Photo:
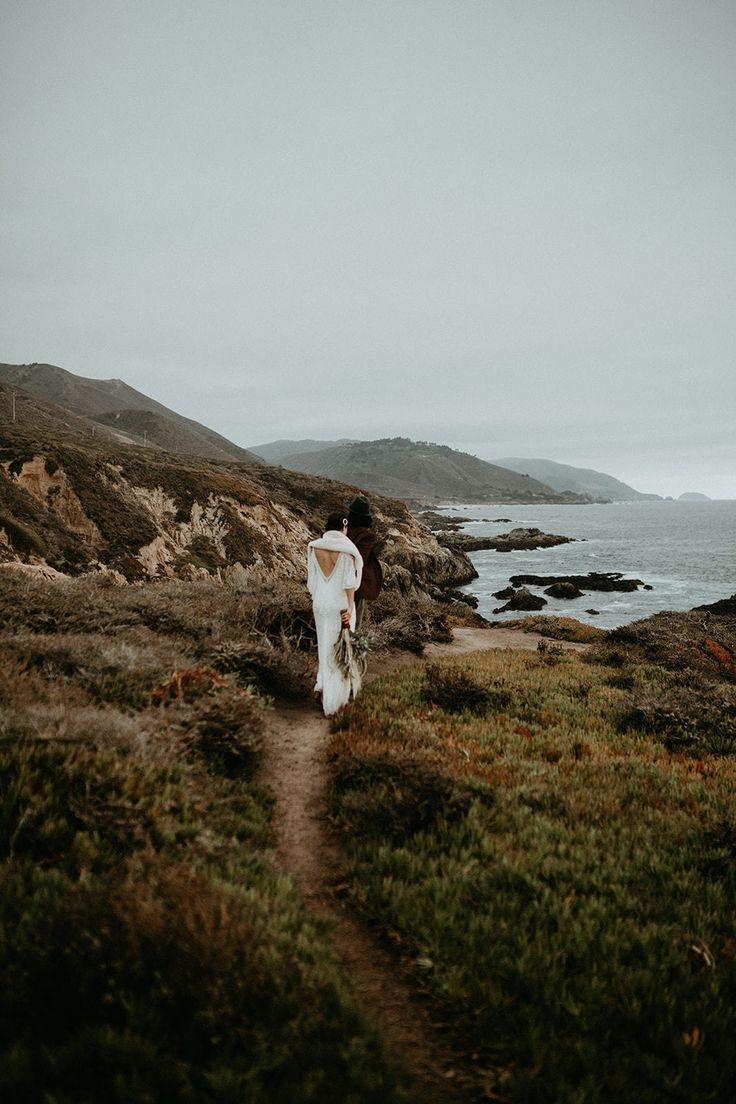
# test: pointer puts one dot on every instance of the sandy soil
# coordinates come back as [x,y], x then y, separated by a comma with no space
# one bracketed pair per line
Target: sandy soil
[296,772]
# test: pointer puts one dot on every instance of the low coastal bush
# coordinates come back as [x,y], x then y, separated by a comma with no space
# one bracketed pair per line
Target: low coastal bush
[556,628]
[679,670]
[406,623]
[566,887]
[454,689]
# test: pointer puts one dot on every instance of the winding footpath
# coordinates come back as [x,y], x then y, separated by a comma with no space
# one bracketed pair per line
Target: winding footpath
[295,770]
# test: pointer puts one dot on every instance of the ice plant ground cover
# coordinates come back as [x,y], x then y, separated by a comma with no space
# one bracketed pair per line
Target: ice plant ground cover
[561,878]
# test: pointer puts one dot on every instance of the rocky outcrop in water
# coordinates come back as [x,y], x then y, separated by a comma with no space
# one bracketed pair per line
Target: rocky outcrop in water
[567,591]
[523,599]
[596,580]
[517,540]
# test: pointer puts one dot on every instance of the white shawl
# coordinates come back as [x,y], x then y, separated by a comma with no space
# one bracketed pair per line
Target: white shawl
[335,541]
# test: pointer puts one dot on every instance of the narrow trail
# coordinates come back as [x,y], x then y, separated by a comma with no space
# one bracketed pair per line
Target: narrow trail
[295,770]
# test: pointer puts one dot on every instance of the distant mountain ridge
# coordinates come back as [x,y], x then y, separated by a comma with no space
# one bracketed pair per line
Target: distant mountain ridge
[133,417]
[275,452]
[565,477]
[420,470]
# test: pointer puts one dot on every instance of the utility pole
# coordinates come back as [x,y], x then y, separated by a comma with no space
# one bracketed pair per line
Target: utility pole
[14,406]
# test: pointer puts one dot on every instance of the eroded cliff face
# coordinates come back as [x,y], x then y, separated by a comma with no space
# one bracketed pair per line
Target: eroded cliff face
[51,487]
[230,526]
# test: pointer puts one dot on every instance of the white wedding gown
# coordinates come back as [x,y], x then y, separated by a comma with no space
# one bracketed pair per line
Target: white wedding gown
[328,599]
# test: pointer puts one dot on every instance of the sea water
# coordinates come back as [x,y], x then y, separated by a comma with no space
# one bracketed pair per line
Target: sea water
[686,551]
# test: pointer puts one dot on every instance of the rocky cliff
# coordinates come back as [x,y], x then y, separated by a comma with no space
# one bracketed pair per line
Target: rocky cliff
[76,503]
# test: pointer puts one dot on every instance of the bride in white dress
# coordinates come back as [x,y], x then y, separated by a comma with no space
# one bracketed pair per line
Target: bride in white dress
[334,569]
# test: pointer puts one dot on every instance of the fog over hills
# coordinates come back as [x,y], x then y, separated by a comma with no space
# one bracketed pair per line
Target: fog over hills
[134,417]
[566,477]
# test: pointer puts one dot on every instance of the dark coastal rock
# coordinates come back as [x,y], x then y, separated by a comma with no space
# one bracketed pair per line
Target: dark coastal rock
[500,521]
[450,595]
[441,523]
[516,540]
[523,600]
[505,594]
[724,607]
[596,580]
[459,596]
[564,590]
[593,612]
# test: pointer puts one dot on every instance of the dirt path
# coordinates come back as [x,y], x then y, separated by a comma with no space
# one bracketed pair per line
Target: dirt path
[295,770]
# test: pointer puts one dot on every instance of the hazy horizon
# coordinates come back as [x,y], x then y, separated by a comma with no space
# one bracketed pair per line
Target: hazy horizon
[509,227]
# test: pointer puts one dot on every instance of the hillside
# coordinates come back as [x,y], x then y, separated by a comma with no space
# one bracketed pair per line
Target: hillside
[79,503]
[276,452]
[418,470]
[585,481]
[134,417]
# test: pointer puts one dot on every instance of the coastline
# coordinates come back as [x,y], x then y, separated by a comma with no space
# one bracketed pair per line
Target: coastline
[682,549]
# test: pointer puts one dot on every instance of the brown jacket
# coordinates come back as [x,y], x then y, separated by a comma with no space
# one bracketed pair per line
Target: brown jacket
[365,541]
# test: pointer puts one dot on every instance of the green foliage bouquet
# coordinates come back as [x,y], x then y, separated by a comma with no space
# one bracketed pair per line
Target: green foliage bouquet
[351,655]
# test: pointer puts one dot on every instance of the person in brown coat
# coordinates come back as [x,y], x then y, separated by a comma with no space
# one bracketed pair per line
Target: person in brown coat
[363,536]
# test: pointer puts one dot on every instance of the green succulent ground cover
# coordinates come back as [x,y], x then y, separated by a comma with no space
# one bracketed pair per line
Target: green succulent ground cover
[561,879]
[150,950]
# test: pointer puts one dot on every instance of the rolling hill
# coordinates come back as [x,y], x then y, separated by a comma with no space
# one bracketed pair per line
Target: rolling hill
[565,477]
[133,417]
[277,452]
[418,470]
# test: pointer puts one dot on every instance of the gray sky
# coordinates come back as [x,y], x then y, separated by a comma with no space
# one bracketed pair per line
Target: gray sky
[505,226]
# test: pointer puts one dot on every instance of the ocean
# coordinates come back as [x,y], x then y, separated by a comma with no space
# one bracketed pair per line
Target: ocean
[686,551]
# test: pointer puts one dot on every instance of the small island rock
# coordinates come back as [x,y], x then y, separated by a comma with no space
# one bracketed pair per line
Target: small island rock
[564,590]
[505,594]
[523,600]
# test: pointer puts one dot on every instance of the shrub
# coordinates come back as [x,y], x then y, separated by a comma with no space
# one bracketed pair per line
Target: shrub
[23,538]
[408,622]
[396,800]
[227,729]
[279,671]
[686,713]
[455,690]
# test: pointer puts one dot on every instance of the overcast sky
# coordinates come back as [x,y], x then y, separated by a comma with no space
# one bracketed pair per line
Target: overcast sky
[504,225]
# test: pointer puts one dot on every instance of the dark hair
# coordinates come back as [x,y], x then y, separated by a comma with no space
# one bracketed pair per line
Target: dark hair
[335,520]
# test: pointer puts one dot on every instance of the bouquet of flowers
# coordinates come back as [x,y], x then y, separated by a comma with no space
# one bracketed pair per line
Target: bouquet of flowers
[351,655]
